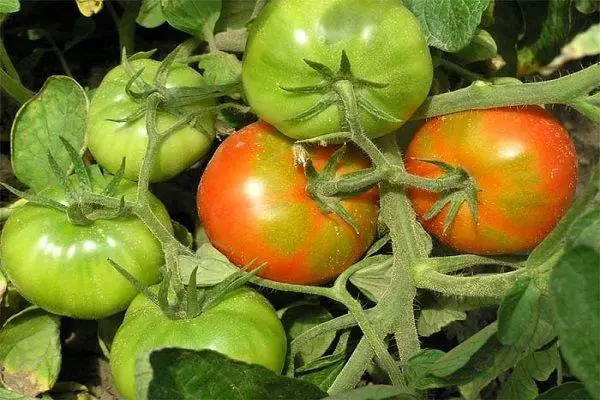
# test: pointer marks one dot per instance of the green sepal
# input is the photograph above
(77, 216)
(319, 88)
(367, 106)
(321, 105)
(329, 138)
(62, 179)
(139, 113)
(135, 282)
(83, 174)
(322, 69)
(35, 199)
(113, 186)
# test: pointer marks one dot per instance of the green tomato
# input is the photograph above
(383, 42)
(110, 141)
(63, 268)
(243, 326)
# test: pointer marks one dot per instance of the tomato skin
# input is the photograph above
(524, 164)
(62, 267)
(382, 39)
(110, 141)
(254, 207)
(243, 326)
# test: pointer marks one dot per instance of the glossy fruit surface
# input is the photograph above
(523, 163)
(243, 326)
(383, 42)
(110, 141)
(254, 207)
(62, 267)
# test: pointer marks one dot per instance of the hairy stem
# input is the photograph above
(481, 95)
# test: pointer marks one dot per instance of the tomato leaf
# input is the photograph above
(9, 6)
(418, 366)
(299, 319)
(58, 109)
(374, 278)
(482, 47)
(30, 352)
(587, 6)
(548, 28)
(566, 391)
(213, 267)
(378, 392)
(433, 319)
(221, 68)
(150, 14)
(575, 292)
(448, 34)
(8, 395)
(588, 106)
(235, 14)
(518, 313)
(586, 230)
(520, 384)
(178, 373)
(198, 18)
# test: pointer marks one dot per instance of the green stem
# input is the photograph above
(14, 89)
(493, 285)
(7, 63)
(127, 26)
(465, 73)
(481, 95)
(59, 54)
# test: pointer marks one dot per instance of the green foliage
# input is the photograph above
(448, 34)
(191, 16)
(30, 353)
(177, 373)
(9, 6)
(58, 110)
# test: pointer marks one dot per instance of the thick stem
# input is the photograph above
(127, 26)
(7, 63)
(14, 88)
(483, 95)
(465, 73)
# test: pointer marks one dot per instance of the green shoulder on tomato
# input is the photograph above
(383, 42)
(243, 326)
(110, 141)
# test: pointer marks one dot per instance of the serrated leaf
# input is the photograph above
(221, 69)
(518, 313)
(150, 14)
(297, 320)
(448, 34)
(575, 292)
(30, 352)
(178, 373)
(9, 6)
(377, 392)
(374, 278)
(520, 384)
(566, 391)
(482, 47)
(197, 18)
(58, 109)
(213, 267)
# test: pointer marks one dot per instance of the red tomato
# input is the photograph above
(254, 207)
(523, 163)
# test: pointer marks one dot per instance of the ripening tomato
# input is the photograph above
(254, 207)
(524, 165)
(383, 41)
(243, 326)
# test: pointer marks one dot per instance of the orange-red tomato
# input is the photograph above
(523, 163)
(254, 207)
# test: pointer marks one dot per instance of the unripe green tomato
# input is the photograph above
(243, 326)
(383, 42)
(63, 268)
(110, 141)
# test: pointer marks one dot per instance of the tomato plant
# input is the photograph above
(63, 267)
(243, 325)
(288, 32)
(253, 205)
(110, 141)
(523, 163)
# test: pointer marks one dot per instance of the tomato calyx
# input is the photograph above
(327, 88)
(177, 302)
(83, 206)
